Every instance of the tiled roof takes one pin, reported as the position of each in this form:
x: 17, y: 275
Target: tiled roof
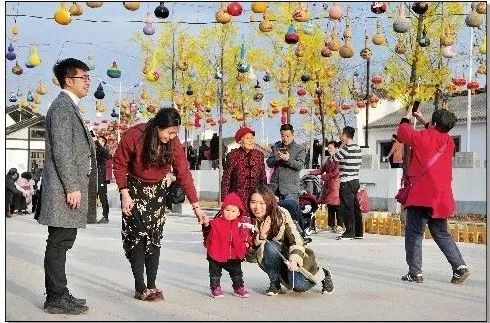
x: 458, y: 105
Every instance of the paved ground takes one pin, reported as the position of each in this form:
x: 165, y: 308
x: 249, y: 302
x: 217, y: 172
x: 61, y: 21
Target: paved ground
x: 366, y: 277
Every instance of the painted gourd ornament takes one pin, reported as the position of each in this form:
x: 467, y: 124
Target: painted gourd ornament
x: 94, y: 4
x: 259, y: 7
x: 34, y: 58
x: 379, y: 7
x: 222, y: 16
x: 76, y: 9
x: 62, y: 15
x: 420, y: 7
x: 148, y: 29
x: 133, y: 6
x: 17, y: 69
x: 161, y: 11
x: 11, y: 53
x: 114, y: 71
x: 301, y: 14
x: 335, y: 12
x: 401, y: 23
x: 473, y: 19
x: 424, y: 40
x: 234, y: 9
x: 99, y: 93
x: 291, y: 36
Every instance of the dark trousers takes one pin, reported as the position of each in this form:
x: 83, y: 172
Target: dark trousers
x: 102, y: 192
x: 139, y: 261
x: 295, y: 211
x: 59, y: 241
x: 9, y: 199
x: 397, y: 165
x: 333, y: 213
x: 232, y: 266
x: 349, y: 209
x: 417, y: 218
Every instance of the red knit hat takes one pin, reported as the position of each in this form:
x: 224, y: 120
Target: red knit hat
x: 233, y: 199
x: 242, y: 132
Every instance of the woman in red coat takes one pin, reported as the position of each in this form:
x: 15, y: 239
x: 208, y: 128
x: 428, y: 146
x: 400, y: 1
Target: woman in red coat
x: 245, y: 167
x: 430, y: 200
x: 331, y: 185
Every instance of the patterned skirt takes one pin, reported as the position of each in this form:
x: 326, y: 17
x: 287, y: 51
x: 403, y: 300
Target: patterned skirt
x: 147, y: 216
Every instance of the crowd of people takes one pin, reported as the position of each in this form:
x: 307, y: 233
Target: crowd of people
x: 259, y: 218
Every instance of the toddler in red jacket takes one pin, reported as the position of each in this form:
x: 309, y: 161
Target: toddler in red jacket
x: 225, y: 238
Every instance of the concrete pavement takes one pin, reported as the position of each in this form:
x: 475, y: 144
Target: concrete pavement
x: 366, y: 275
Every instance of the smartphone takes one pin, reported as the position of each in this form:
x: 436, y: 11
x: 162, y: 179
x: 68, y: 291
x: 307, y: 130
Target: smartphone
x: 283, y: 150
x: 415, y: 107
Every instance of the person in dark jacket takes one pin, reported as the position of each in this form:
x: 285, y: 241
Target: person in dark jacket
x: 227, y: 239
x: 102, y: 155
x: 317, y: 150
x: 214, y: 147
x: 11, y: 191
x: 430, y: 200
x: 202, y: 153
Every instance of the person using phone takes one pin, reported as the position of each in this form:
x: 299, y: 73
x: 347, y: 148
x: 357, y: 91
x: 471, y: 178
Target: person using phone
x: 287, y: 159
x: 397, y: 153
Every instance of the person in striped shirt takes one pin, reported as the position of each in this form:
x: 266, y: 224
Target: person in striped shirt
x: 349, y: 157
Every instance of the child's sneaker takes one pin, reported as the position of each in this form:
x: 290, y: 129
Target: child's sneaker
x: 217, y: 292
x: 274, y: 289
x: 241, y: 291
x: 327, y: 283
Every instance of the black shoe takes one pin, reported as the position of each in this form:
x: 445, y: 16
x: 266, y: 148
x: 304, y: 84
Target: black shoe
x: 413, y: 278
x: 64, y: 305
x: 274, y: 289
x: 358, y: 237
x: 79, y: 301
x: 327, y: 284
x: 344, y: 238
x: 251, y: 256
x: 459, y: 275
x: 8, y: 216
x: 307, y: 240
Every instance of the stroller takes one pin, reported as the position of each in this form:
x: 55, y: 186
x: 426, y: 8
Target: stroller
x: 309, y: 199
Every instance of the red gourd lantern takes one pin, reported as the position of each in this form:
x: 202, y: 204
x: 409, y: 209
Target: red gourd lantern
x: 345, y: 106
x: 284, y: 117
x: 361, y: 104
x: 316, y: 101
x: 473, y: 85
x: 291, y: 36
x: 376, y: 79
x: 197, y: 122
x: 303, y: 110
x: 301, y: 91
x: 209, y: 120
x: 234, y: 9
x: 459, y: 81
x: 221, y: 120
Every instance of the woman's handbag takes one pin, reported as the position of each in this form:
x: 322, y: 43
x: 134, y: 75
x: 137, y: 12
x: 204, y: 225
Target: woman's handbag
x: 407, y: 184
x: 175, y: 193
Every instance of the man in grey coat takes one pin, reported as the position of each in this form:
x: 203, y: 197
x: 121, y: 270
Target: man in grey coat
x: 69, y: 161
x: 287, y: 158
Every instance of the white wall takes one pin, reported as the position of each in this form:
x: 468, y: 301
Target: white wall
x: 17, y: 159
x: 38, y: 145
x: 12, y: 143
x: 384, y: 108
x: 22, y: 134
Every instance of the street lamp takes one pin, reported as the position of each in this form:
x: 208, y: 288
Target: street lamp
x: 120, y: 91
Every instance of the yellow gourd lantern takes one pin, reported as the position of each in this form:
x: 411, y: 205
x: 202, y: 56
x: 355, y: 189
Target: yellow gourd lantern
x: 34, y: 58
x: 62, y: 15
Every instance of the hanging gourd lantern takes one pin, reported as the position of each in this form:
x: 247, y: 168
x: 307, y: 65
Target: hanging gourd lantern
x: 41, y: 89
x: 373, y: 101
x: 334, y: 44
x: 400, y: 47
x: 420, y: 7
x: 483, y: 46
x: 379, y: 7
x: 222, y: 16
x: 265, y: 25
x: 291, y: 36
x: 114, y: 71
x: 378, y: 38
x: 473, y: 19
x: 15, y: 29
x: 182, y: 65
x: 482, y: 69
x: 189, y: 90
x: 16, y: 69
x: 459, y: 81
x: 99, y: 93
x: 356, y: 110
x: 401, y: 24
x: 161, y: 11
x: 148, y: 29
x: 267, y: 76
x: 133, y: 6
x: 76, y: 9
x: 10, y: 53
x: 37, y: 99
x: 19, y: 93
x: 62, y: 15
x: 335, y: 12
x: 481, y: 8
x: 192, y: 73
x: 100, y: 106
x: 346, y: 51
x: 303, y: 110
x: 300, y: 51
x: 361, y: 104
x: 34, y: 58
x: 55, y: 80
x: 301, y: 91
x: 153, y: 75
x: 234, y: 9
x: 448, y: 52
x: 242, y: 66
x: 222, y: 120
x: 90, y: 62
x: 301, y: 14
x: 326, y: 52
x: 12, y: 97
x: 152, y: 107
x: 308, y: 28
x: 473, y: 85
x: 94, y: 4
x: 366, y: 53
x: 259, y: 7
x: 424, y: 41
x: 284, y: 117
x: 448, y: 37
x: 376, y: 79
x: 305, y: 77
x: 29, y: 96
x: 345, y: 106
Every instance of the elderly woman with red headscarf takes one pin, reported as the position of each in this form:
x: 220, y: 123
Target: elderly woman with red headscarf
x: 245, y: 167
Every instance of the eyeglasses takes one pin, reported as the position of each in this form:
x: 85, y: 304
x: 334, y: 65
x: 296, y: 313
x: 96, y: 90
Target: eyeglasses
x: 85, y: 77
